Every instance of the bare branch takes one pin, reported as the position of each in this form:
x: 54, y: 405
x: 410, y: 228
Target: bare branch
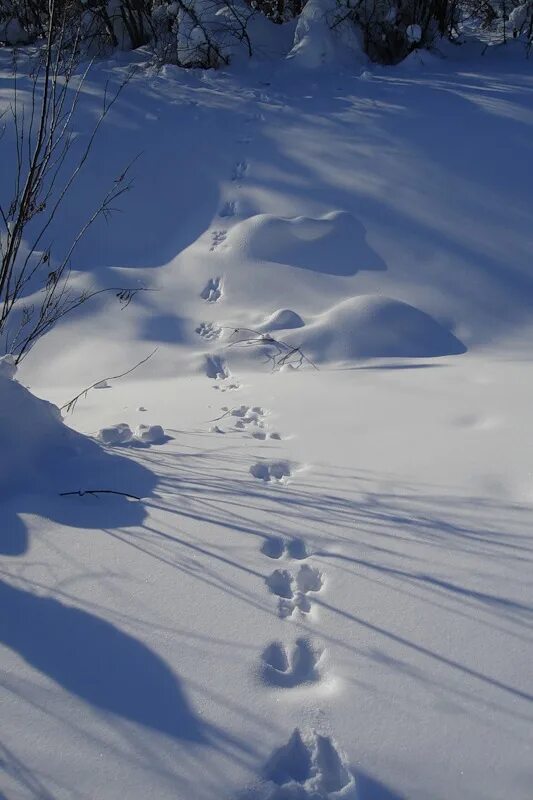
x: 96, y: 492
x: 69, y: 407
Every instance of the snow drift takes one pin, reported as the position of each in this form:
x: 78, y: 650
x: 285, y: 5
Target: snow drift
x: 40, y: 453
x: 372, y: 326
x: 334, y: 244
x: 280, y: 320
x: 34, y: 441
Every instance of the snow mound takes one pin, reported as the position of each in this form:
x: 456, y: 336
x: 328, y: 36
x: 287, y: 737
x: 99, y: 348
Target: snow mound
x: 334, y: 244
x: 281, y: 320
x: 372, y: 326
x: 34, y: 441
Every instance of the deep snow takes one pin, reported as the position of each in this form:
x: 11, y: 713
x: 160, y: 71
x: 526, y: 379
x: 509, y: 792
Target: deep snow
x: 325, y: 589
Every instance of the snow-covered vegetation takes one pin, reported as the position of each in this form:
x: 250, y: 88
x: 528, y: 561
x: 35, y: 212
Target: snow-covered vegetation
x: 209, y: 33
x: 266, y: 499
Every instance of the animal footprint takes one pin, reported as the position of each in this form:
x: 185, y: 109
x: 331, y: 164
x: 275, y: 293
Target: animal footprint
x: 281, y: 583
x: 229, y: 209
x: 209, y: 331
x: 308, y: 767
x: 217, y: 237
x: 309, y: 579
x: 287, y: 670
x: 271, y: 471
x: 240, y: 170
x: 228, y: 387
x: 275, y: 547
x: 215, y: 367
x: 262, y: 435
x: 297, y: 549
x: 213, y: 290
x: 252, y: 416
x: 248, y: 416
x: 292, y: 590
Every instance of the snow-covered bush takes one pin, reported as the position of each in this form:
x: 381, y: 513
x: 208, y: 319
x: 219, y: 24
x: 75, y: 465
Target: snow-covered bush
x: 521, y: 21
x: 393, y: 28
x: 109, y: 24
x: 199, y: 33
x: 279, y: 11
x: 21, y: 21
x: 207, y: 33
x: 325, y: 34
x: 190, y: 33
x: 98, y: 23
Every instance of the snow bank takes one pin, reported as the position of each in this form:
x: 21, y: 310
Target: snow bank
x: 372, y: 326
x: 40, y: 455
x: 34, y: 441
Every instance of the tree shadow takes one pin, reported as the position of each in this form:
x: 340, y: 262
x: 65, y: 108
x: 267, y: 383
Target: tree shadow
x: 84, y: 465
x: 85, y: 654
x: 96, y: 661
x: 404, y: 517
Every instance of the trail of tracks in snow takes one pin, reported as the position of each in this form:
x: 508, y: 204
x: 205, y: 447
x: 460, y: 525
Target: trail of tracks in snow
x: 309, y: 765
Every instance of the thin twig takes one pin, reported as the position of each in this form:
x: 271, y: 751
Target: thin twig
x: 284, y: 353
x: 216, y: 419
x: 72, y: 403
x: 96, y: 492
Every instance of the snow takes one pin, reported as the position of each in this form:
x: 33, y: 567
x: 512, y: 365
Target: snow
x: 324, y: 588
x: 306, y: 769
x: 373, y: 326
x: 282, y: 319
x: 323, y: 38
x: 8, y: 366
x: 116, y: 434
x: 32, y: 436
x: 121, y: 433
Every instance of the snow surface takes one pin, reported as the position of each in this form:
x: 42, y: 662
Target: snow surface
x: 325, y: 589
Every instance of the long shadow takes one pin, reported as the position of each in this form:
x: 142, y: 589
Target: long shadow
x: 85, y: 654
x: 369, y: 788
x: 14, y: 768
x: 82, y: 465
x: 420, y: 516
x: 96, y: 661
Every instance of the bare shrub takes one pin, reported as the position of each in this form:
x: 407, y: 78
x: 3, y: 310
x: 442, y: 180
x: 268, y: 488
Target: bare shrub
x: 42, y: 140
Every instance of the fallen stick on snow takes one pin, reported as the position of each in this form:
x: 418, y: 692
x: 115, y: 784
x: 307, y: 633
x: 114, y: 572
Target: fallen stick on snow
x: 96, y: 492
